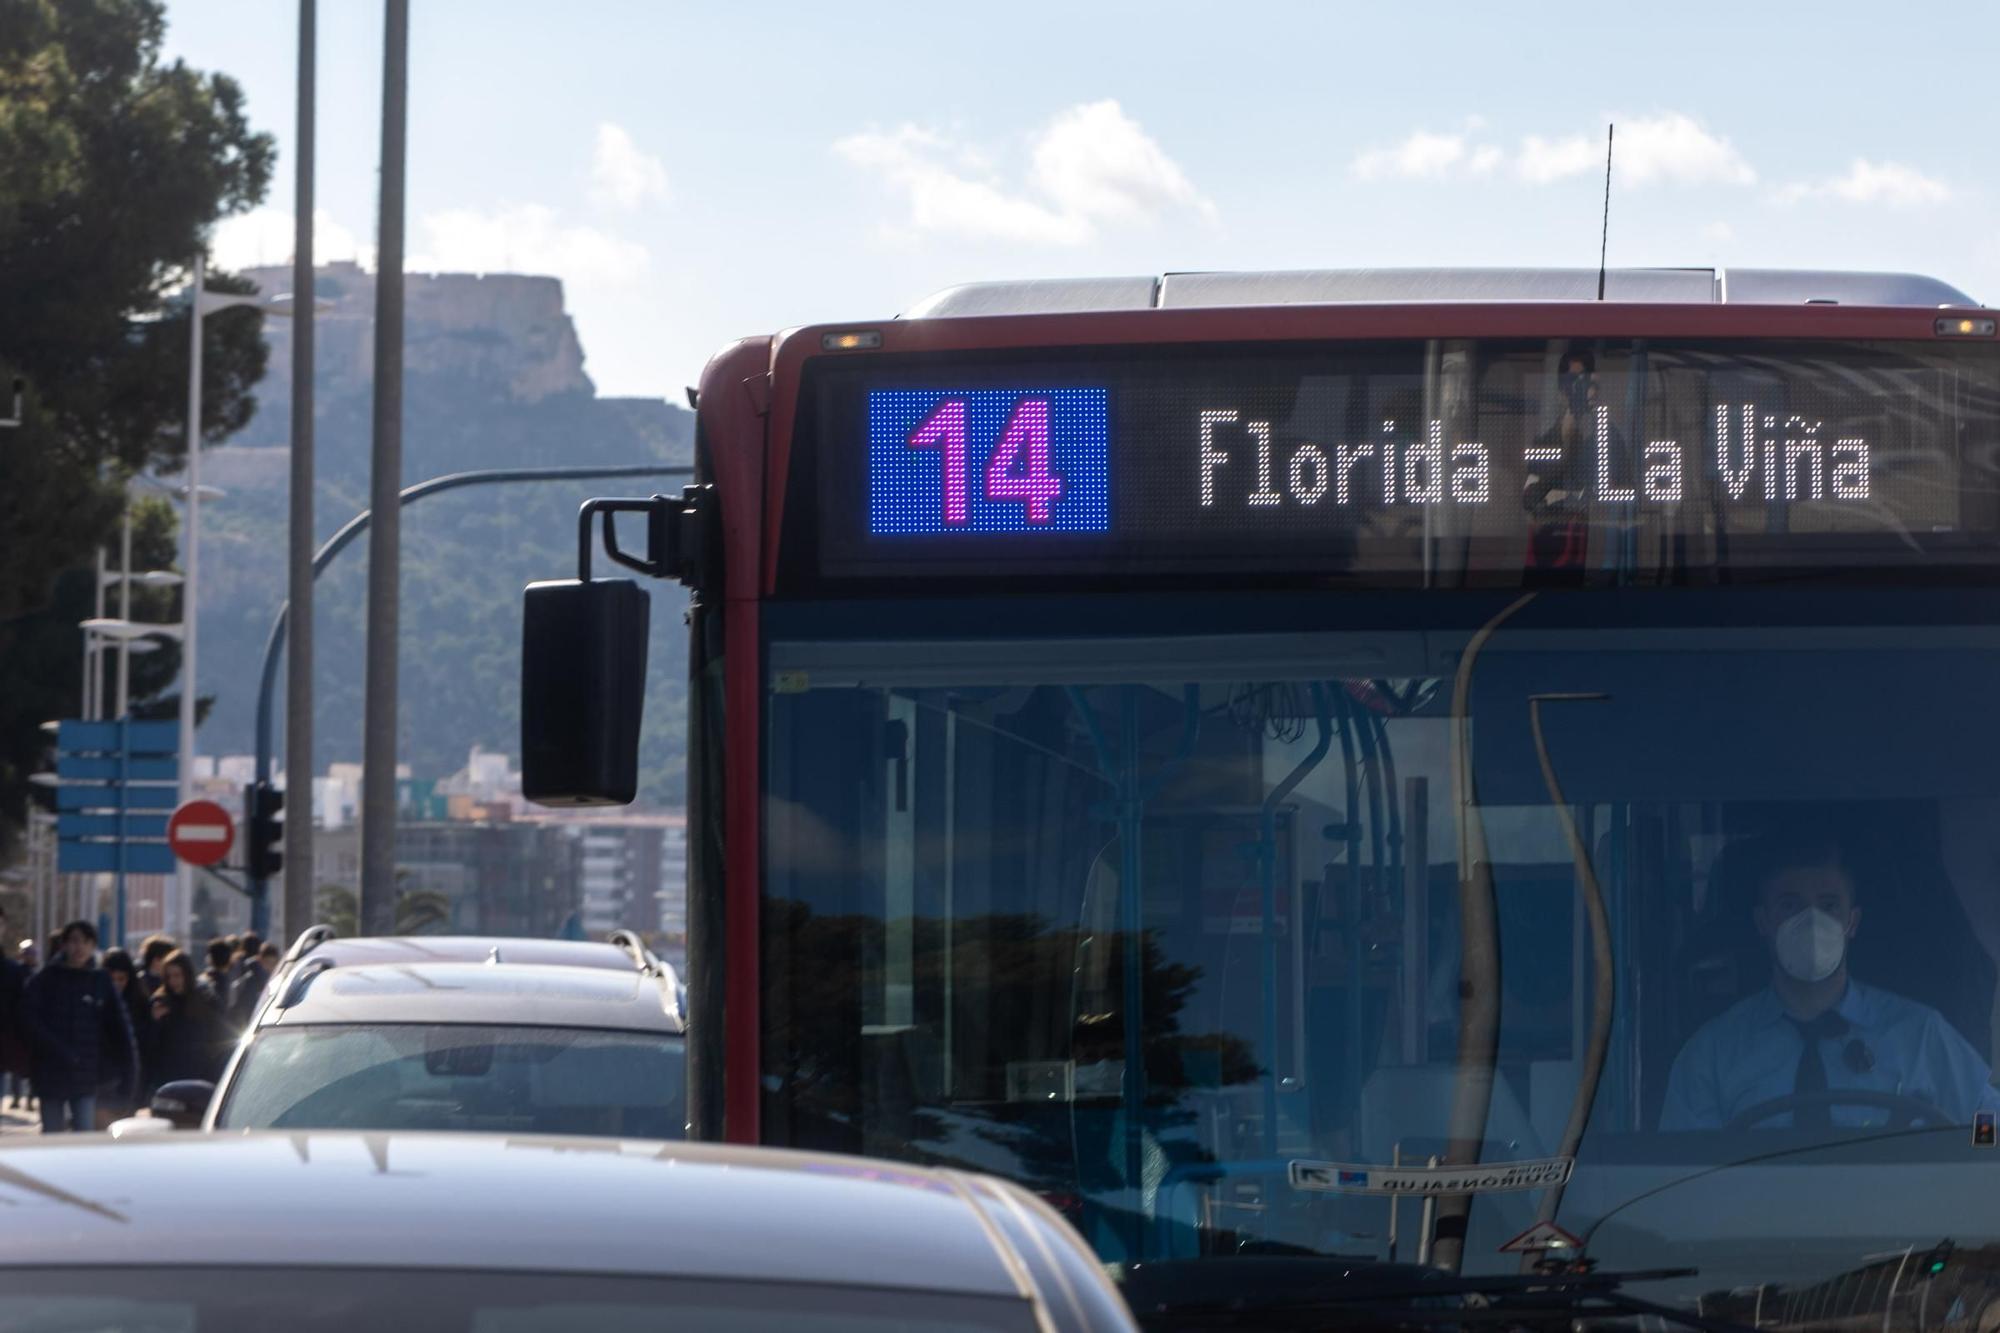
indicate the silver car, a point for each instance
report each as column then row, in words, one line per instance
column 318, row 1232
column 453, row 1033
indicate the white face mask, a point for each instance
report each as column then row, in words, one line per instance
column 1811, row 944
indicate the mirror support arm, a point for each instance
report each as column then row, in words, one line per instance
column 680, row 532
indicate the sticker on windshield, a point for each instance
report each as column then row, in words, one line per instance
column 1982, row 1129
column 1491, row 1178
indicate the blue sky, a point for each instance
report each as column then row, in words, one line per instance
column 698, row 173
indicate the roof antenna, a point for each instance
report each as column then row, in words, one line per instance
column 1604, row 241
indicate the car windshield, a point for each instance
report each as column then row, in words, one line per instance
column 528, row 1080
column 1215, row 922
column 335, row 1299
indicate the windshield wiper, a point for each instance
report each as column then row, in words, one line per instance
column 1337, row 1294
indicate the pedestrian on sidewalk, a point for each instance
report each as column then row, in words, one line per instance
column 248, row 945
column 214, row 980
column 29, row 961
column 125, row 980
column 249, row 987
column 152, row 952
column 13, row 1049
column 189, row 1037
column 80, row 1034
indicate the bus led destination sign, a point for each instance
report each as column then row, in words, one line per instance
column 1376, row 456
column 1757, row 455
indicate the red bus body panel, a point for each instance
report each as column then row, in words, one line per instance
column 733, row 396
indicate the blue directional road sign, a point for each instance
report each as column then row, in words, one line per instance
column 119, row 779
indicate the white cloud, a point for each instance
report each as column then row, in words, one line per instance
column 1888, row 183
column 620, row 173
column 1421, row 156
column 523, row 238
column 1092, row 166
column 1430, row 155
column 1095, row 162
column 1543, row 160
column 943, row 200
column 1673, row 147
column 1718, row 232
column 1669, row 147
column 263, row 237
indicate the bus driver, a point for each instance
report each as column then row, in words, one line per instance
column 1815, row 1031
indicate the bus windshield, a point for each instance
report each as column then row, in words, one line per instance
column 1202, row 915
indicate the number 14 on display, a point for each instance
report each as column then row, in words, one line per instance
column 1018, row 471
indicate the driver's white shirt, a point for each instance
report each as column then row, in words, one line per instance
column 1749, row 1054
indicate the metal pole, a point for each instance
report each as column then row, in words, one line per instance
column 1603, row 974
column 1395, row 1159
column 378, row 740
column 1479, row 961
column 298, row 905
column 190, row 585
column 93, row 660
column 124, row 803
column 1416, row 919
column 124, row 703
column 1427, row 1225
column 125, row 609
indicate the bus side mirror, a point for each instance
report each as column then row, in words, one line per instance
column 583, row 690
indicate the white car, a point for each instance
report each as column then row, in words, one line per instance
column 329, row 1232
column 452, row 1033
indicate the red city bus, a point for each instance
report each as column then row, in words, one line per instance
column 1232, row 751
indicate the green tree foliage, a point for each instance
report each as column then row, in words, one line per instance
column 41, row 655
column 418, row 911
column 113, row 165
column 337, row 906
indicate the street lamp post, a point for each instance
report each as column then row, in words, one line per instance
column 200, row 302
column 95, row 640
column 125, row 578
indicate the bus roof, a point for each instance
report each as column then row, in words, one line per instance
column 1685, row 286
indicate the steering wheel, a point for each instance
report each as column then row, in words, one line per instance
column 1904, row 1112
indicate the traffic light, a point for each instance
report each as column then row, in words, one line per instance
column 265, row 853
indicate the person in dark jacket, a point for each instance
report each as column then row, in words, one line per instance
column 249, row 988
column 214, row 980
column 13, row 1050
column 125, row 979
column 152, row 952
column 80, row 1034
column 189, row 1037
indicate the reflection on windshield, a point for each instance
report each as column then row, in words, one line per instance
column 1141, row 932
column 524, row 1080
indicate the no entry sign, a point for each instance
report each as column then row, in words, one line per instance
column 201, row 833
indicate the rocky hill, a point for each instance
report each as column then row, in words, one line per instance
column 494, row 377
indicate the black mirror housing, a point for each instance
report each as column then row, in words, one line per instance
column 183, row 1102
column 583, row 690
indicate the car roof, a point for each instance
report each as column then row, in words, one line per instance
column 548, row 1204
column 533, row 994
column 462, row 949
